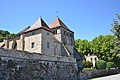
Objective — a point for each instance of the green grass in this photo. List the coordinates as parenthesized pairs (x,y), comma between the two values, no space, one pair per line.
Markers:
(87,69)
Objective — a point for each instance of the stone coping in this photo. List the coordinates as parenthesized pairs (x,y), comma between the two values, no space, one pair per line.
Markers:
(11,53)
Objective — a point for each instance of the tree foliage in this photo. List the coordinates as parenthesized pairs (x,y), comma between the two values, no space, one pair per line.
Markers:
(4,34)
(87,64)
(83,46)
(106,47)
(110,65)
(116,27)
(100,46)
(101,64)
(116,31)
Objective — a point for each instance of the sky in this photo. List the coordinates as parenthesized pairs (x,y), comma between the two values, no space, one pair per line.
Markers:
(87,18)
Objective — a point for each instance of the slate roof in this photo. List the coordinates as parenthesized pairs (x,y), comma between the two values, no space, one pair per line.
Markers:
(24,30)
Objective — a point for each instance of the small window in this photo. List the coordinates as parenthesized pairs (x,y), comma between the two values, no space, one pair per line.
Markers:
(48,45)
(32,45)
(64,32)
(47,33)
(55,31)
(91,59)
(70,35)
(67,34)
(95,59)
(58,31)
(14,45)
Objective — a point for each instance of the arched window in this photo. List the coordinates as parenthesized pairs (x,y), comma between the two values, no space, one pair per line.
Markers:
(95,59)
(14,45)
(91,59)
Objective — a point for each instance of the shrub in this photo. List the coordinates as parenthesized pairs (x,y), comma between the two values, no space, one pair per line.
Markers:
(110,65)
(87,64)
(101,64)
(117,64)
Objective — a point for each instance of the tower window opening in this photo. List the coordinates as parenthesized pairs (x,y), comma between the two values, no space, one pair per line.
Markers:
(64,32)
(55,31)
(48,45)
(32,45)
(47,33)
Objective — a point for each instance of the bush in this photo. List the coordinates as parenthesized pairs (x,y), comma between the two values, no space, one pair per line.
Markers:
(1,39)
(87,64)
(110,65)
(117,63)
(101,64)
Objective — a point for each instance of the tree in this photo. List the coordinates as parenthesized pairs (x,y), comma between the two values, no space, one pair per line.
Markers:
(4,34)
(102,46)
(116,32)
(2,38)
(82,46)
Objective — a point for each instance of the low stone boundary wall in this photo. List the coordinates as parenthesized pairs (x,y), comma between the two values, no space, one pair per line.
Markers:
(100,73)
(21,65)
(28,55)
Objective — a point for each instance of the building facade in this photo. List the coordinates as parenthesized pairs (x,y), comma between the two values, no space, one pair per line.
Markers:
(55,39)
(91,58)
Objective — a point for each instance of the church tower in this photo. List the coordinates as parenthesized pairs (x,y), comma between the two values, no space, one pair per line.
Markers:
(64,35)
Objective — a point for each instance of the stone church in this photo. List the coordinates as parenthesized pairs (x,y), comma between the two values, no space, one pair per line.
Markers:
(55,39)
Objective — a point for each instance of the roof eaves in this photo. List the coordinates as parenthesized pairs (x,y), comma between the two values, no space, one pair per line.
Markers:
(40,28)
(63,27)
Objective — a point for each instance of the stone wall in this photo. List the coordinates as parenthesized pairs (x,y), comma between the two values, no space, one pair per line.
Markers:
(100,73)
(47,37)
(22,65)
(33,37)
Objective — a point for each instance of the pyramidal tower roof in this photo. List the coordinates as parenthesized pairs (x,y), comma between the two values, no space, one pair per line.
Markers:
(58,23)
(38,24)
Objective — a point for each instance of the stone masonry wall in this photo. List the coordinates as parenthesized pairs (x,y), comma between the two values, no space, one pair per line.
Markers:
(21,65)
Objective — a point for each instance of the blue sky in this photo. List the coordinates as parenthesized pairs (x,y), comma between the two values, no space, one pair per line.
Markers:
(87,18)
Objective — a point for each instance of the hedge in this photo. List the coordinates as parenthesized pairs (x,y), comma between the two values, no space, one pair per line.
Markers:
(110,65)
(87,64)
(101,64)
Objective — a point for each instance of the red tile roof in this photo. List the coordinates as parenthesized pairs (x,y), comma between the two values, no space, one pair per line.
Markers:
(38,24)
(58,23)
